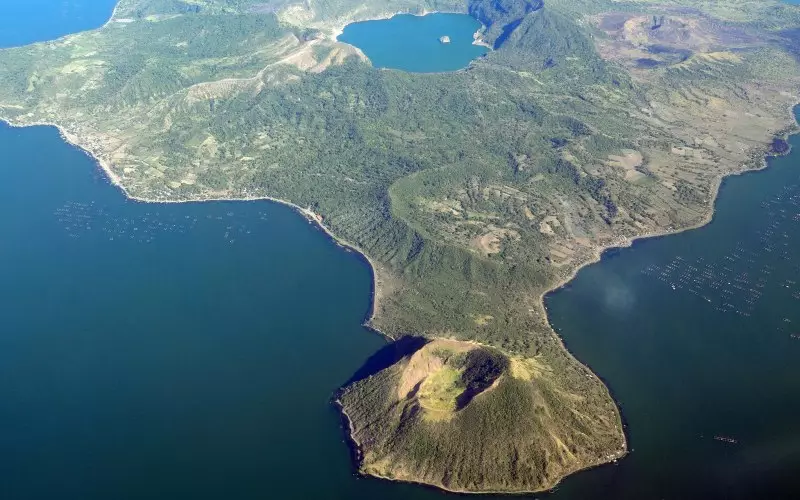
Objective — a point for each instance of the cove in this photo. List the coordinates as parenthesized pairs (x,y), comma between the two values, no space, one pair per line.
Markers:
(411,43)
(698,337)
(166,351)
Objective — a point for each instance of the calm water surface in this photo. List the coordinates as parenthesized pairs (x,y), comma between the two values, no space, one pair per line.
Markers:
(411,43)
(165,351)
(190,351)
(28,21)
(698,336)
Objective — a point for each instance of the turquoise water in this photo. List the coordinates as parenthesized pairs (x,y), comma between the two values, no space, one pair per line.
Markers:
(411,43)
(189,351)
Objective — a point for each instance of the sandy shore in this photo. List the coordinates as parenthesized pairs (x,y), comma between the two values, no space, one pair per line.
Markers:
(477,38)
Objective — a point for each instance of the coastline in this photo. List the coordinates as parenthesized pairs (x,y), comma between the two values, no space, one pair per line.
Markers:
(111,19)
(116,181)
(627,242)
(477,37)
(312,217)
(356,454)
(596,256)
(340,25)
(338,29)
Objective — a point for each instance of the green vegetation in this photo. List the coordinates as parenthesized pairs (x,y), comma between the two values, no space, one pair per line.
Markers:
(472,192)
(448,409)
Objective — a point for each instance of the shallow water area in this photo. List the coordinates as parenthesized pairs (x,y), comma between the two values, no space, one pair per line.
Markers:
(412,43)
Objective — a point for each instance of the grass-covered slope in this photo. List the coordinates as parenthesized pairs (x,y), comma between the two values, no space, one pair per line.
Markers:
(469,418)
(473,193)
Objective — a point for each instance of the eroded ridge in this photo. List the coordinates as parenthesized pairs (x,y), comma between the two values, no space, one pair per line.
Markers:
(464,416)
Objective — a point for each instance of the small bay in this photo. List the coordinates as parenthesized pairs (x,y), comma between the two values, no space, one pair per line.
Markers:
(166,350)
(698,336)
(412,43)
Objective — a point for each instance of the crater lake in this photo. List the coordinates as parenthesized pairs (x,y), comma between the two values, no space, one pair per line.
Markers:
(414,43)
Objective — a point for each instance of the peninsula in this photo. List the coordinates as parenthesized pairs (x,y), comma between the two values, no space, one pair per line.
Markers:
(472,193)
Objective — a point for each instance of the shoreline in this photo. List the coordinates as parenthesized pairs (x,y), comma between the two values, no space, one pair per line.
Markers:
(596,256)
(356,454)
(627,242)
(312,217)
(111,19)
(337,30)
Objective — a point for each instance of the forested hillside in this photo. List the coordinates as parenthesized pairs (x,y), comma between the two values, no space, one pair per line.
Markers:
(473,192)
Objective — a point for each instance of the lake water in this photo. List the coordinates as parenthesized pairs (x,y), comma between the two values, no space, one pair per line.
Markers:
(698,336)
(411,43)
(165,351)
(28,21)
(189,351)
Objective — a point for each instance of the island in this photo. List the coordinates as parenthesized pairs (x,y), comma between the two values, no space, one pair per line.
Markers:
(472,193)
(444,39)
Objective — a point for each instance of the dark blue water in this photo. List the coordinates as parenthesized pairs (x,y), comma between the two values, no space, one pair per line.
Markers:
(698,336)
(190,351)
(165,351)
(411,43)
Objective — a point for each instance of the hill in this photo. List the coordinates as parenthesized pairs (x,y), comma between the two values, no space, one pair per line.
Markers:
(473,193)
